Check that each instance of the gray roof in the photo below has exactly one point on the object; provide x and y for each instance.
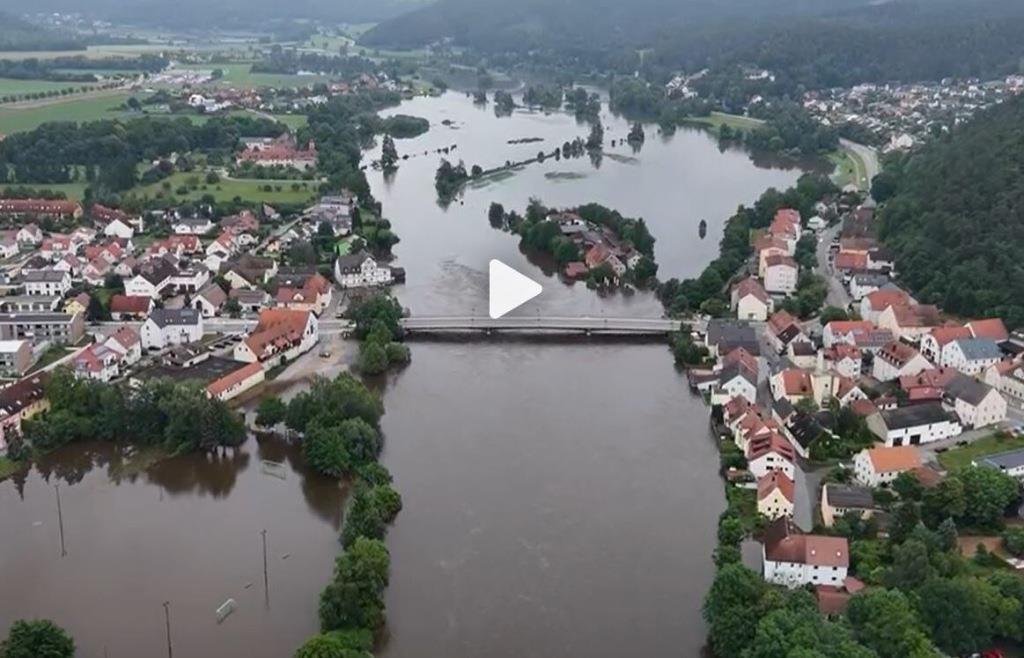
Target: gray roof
(979, 348)
(47, 276)
(1003, 461)
(36, 318)
(730, 334)
(968, 389)
(870, 279)
(914, 416)
(164, 317)
(213, 293)
(734, 370)
(352, 262)
(849, 497)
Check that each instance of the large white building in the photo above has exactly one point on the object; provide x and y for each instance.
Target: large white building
(281, 334)
(971, 356)
(361, 270)
(976, 403)
(874, 467)
(793, 559)
(47, 282)
(780, 275)
(166, 327)
(913, 425)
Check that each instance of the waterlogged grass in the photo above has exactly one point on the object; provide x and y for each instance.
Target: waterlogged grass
(850, 169)
(718, 119)
(9, 467)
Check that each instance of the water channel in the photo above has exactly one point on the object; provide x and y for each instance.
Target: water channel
(560, 498)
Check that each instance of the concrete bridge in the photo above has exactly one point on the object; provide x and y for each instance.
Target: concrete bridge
(420, 325)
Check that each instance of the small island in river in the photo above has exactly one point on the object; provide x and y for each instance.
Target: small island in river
(590, 242)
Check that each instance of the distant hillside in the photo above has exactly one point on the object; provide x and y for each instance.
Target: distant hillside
(222, 14)
(818, 43)
(18, 34)
(956, 222)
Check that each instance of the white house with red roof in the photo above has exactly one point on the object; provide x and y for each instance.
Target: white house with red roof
(771, 452)
(97, 362)
(935, 342)
(780, 275)
(776, 495)
(874, 303)
(898, 359)
(127, 343)
(281, 334)
(793, 559)
(750, 300)
(1008, 378)
(236, 382)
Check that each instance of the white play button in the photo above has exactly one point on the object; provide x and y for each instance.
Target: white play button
(509, 289)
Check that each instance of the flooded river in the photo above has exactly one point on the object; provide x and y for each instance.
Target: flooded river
(560, 498)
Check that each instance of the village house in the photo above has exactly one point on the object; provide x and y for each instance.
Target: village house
(209, 300)
(750, 301)
(874, 467)
(127, 343)
(845, 360)
(935, 343)
(152, 280)
(29, 303)
(29, 235)
(77, 304)
(838, 500)
(130, 307)
(723, 336)
(1010, 462)
(192, 226)
(242, 223)
(282, 152)
(735, 380)
(314, 295)
(802, 353)
(116, 223)
(236, 382)
(875, 303)
(898, 359)
(333, 211)
(97, 362)
(223, 247)
(992, 329)
(1008, 378)
(909, 322)
(784, 329)
(767, 246)
(9, 246)
(56, 247)
(792, 384)
(913, 425)
(47, 283)
(70, 263)
(95, 273)
(250, 301)
(248, 272)
(770, 452)
(780, 275)
(793, 559)
(776, 494)
(845, 331)
(975, 403)
(21, 401)
(864, 283)
(15, 357)
(165, 327)
(361, 270)
(971, 356)
(280, 335)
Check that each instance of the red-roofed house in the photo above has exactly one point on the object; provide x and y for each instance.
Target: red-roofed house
(776, 494)
(793, 559)
(898, 359)
(910, 322)
(750, 301)
(313, 296)
(130, 307)
(793, 384)
(770, 452)
(236, 382)
(935, 342)
(281, 334)
(993, 329)
(846, 261)
(872, 304)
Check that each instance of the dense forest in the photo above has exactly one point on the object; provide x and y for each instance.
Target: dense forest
(806, 44)
(954, 216)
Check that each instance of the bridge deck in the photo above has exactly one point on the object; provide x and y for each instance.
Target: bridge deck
(637, 326)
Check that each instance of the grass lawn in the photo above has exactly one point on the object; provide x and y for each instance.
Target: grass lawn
(73, 191)
(850, 169)
(92, 52)
(990, 445)
(17, 119)
(12, 87)
(9, 468)
(248, 189)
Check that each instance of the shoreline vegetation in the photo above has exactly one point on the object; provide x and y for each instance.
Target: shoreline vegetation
(339, 422)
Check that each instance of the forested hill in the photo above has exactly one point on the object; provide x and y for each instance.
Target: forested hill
(18, 34)
(956, 221)
(817, 44)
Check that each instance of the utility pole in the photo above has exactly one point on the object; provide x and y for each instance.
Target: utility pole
(167, 620)
(266, 579)
(60, 521)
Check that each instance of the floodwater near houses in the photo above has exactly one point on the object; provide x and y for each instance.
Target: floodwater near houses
(560, 498)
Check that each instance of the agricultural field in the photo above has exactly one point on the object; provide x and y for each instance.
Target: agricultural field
(11, 87)
(92, 52)
(26, 116)
(192, 187)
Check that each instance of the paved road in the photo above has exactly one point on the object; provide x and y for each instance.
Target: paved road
(868, 156)
(837, 294)
(542, 323)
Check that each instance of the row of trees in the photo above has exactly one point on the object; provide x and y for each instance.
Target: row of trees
(177, 416)
(339, 423)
